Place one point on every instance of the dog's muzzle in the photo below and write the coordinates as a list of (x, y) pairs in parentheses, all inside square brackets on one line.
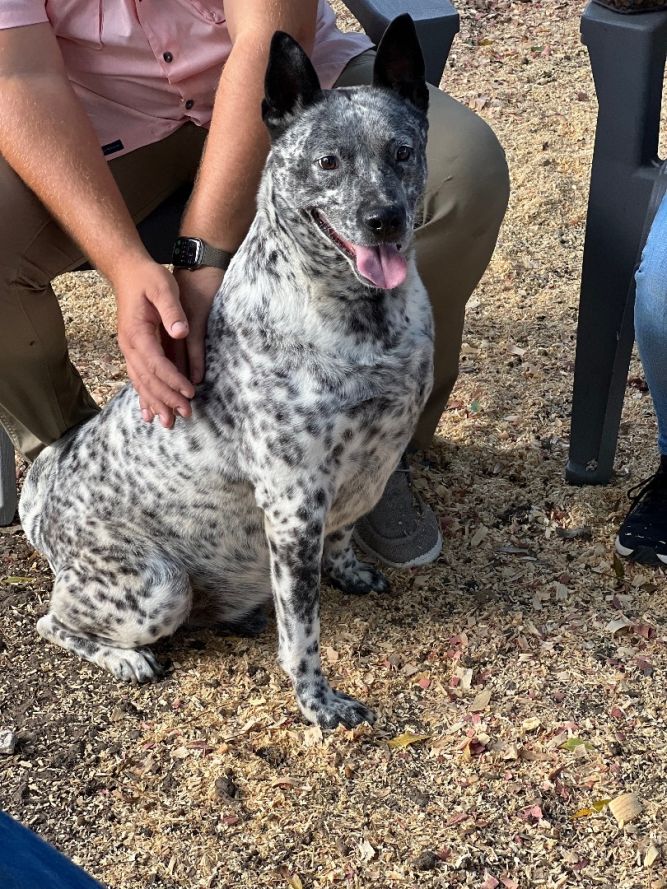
[(383, 265)]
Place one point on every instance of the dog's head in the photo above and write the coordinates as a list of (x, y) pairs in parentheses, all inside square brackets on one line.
[(352, 160)]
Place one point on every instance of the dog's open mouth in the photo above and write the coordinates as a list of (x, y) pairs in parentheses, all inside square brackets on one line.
[(383, 264)]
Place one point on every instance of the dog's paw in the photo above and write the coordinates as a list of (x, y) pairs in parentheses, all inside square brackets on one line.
[(132, 665), (334, 708), (358, 579)]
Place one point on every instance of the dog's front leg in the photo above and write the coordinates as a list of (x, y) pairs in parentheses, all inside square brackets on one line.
[(295, 543)]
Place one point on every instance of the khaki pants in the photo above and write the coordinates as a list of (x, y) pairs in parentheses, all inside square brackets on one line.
[(41, 392)]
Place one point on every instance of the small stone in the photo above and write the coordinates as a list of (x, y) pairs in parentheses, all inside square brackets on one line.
[(129, 708), (261, 678), (343, 847), (7, 741), (418, 797), (226, 788), (426, 861)]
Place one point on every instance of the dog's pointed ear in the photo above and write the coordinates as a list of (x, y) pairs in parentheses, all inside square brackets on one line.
[(291, 82), (399, 63)]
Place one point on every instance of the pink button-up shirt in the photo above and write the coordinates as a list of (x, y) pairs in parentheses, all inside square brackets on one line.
[(143, 68)]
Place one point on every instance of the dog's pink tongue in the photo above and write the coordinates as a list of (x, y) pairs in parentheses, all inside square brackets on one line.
[(383, 265)]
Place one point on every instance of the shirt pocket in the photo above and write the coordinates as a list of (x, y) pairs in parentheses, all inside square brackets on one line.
[(77, 21), (210, 10)]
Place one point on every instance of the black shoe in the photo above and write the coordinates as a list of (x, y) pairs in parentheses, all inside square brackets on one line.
[(643, 535)]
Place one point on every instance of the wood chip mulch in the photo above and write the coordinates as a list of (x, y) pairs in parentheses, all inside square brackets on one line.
[(519, 682)]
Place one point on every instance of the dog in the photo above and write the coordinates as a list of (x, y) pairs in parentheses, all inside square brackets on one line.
[(319, 361)]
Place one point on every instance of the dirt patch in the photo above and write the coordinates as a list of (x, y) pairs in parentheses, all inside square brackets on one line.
[(519, 682)]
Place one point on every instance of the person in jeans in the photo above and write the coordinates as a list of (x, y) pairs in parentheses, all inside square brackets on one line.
[(643, 535), (109, 108)]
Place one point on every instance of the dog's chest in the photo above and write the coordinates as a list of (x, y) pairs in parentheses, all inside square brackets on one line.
[(370, 438)]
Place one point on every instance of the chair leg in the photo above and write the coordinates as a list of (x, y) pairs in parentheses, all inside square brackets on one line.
[(7, 480), (624, 179)]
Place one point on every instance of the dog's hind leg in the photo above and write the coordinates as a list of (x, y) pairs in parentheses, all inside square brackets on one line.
[(345, 571), (109, 613), (133, 665)]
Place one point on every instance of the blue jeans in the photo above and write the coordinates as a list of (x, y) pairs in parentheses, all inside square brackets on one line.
[(27, 862), (651, 318)]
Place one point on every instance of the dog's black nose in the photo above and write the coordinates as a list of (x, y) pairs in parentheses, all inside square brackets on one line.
[(385, 222)]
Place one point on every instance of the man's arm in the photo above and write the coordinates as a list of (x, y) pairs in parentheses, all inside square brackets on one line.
[(223, 201), (46, 137)]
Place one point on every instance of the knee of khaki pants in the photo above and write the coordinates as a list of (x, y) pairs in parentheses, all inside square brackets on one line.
[(464, 205), (41, 394)]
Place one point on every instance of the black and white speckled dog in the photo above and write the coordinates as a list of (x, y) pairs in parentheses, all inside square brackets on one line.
[(319, 361)]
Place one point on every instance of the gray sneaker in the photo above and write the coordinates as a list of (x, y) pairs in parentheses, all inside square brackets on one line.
[(402, 531)]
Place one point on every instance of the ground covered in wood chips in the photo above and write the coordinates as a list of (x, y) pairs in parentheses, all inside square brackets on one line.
[(519, 682)]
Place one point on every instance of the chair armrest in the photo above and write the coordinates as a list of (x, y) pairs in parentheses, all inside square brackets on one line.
[(436, 21)]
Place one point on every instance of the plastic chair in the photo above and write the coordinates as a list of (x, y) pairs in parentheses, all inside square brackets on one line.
[(628, 180), (437, 23)]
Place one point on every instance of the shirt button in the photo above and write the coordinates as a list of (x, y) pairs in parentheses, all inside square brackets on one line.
[(167, 56), (189, 104)]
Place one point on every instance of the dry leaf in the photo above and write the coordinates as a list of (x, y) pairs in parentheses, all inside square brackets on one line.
[(7, 741), (464, 675), (531, 724), (595, 807), (250, 725), (284, 782), (481, 701), (180, 753), (625, 808), (366, 851), (510, 752), (621, 623), (532, 813), (294, 881), (479, 535), (404, 740), (312, 736), (652, 855)]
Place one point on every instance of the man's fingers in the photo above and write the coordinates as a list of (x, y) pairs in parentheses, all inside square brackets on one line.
[(166, 301), (158, 392), (148, 359), (162, 390)]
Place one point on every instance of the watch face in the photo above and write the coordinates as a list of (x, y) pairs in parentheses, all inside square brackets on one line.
[(187, 252)]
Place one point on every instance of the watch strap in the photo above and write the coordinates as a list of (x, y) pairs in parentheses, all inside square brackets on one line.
[(214, 256)]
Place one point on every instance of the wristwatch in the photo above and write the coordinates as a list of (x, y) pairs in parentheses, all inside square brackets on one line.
[(193, 253)]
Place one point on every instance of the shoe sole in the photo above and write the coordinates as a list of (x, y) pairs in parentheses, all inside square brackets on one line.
[(423, 559), (643, 555)]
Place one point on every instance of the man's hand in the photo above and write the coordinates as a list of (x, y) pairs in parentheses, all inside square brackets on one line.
[(197, 289), (148, 302)]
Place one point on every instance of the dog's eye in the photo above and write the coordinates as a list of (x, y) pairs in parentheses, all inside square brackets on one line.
[(403, 153), (328, 162)]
